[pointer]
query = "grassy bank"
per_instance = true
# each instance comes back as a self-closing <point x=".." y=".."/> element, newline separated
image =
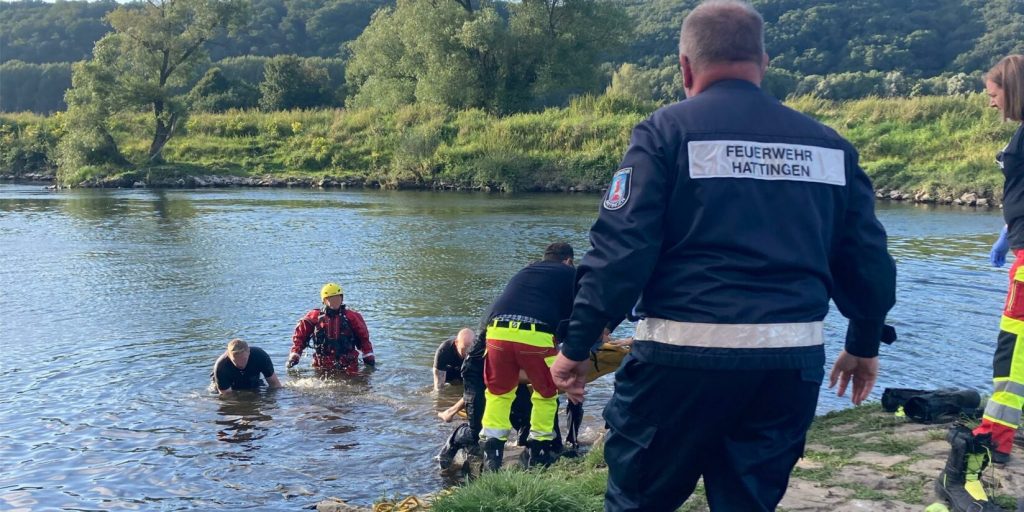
<point x="943" y="145"/>
<point x="856" y="459"/>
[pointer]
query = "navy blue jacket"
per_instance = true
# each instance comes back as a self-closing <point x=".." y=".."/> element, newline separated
<point x="1011" y="161"/>
<point x="542" y="290"/>
<point x="731" y="208"/>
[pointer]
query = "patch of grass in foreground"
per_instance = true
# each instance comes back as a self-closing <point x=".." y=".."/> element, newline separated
<point x="1005" y="501"/>
<point x="527" y="491"/>
<point x="579" y="484"/>
<point x="570" y="485"/>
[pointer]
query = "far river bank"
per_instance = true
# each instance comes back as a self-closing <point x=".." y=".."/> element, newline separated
<point x="922" y="149"/>
<point x="176" y="180"/>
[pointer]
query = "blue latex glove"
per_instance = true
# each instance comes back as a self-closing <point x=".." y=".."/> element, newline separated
<point x="999" y="249"/>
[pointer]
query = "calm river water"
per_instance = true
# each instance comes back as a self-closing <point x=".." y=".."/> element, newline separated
<point x="114" y="305"/>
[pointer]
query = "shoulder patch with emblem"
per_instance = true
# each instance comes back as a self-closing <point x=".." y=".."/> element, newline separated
<point x="618" y="192"/>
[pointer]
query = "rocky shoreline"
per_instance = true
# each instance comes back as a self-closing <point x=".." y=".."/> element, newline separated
<point x="327" y="182"/>
<point x="966" y="199"/>
<point x="129" y="180"/>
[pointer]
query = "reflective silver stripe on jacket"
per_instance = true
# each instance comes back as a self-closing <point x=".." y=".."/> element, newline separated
<point x="693" y="334"/>
<point x="1009" y="386"/>
<point x="1002" y="413"/>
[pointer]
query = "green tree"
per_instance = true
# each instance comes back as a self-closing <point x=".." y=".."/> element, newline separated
<point x="216" y="93"/>
<point x="662" y="84"/>
<point x="1004" y="20"/>
<point x="291" y="82"/>
<point x="418" y="51"/>
<point x="560" y="45"/>
<point x="467" y="55"/>
<point x="149" y="60"/>
<point x="91" y="110"/>
<point x="39" y="32"/>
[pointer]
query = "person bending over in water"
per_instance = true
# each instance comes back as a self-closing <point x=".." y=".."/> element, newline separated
<point x="448" y="366"/>
<point x="449" y="356"/>
<point x="240" y="367"/>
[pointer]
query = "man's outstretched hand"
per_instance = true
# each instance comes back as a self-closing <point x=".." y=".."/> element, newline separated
<point x="570" y="376"/>
<point x="863" y="371"/>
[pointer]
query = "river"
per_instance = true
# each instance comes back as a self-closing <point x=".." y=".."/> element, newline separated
<point x="115" y="303"/>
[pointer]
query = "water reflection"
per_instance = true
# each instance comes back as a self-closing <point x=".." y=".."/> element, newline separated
<point x="151" y="285"/>
<point x="243" y="419"/>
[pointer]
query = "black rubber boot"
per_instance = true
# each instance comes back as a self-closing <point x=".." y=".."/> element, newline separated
<point x="894" y="398"/>
<point x="451" y="447"/>
<point x="942" y="405"/>
<point x="538" y="453"/>
<point x="968" y="457"/>
<point x="494" y="451"/>
<point x="999" y="457"/>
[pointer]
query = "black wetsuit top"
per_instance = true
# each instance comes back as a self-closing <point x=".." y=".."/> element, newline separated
<point x="447" y="360"/>
<point x="226" y="375"/>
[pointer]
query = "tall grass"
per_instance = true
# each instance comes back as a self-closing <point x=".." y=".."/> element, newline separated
<point x="567" y="486"/>
<point x="942" y="145"/>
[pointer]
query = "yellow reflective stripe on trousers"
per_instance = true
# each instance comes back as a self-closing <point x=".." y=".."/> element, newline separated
<point x="1015" y="327"/>
<point x="1008" y="386"/>
<point x="497" y="412"/>
<point x="543" y="413"/>
<point x="532" y="338"/>
<point x="1004" y="414"/>
<point x="1004" y="407"/>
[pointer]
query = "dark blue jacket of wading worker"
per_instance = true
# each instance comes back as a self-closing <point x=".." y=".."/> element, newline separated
<point x="735" y="219"/>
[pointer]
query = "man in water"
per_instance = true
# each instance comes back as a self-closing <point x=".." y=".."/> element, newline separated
<point x="449" y="356"/>
<point x="338" y="335"/>
<point x="240" y="367"/>
<point x="448" y="367"/>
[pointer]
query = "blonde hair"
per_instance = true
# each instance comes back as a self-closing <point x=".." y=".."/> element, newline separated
<point x="236" y="346"/>
<point x="1008" y="74"/>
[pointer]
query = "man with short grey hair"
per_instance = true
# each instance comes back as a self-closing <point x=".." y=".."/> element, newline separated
<point x="735" y="220"/>
<point x="240" y="367"/>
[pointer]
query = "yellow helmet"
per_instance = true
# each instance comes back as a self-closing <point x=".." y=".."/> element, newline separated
<point x="330" y="290"/>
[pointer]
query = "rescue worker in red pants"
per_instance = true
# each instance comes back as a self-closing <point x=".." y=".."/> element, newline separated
<point x="338" y="335"/>
<point x="970" y="452"/>
<point x="1005" y="85"/>
<point x="520" y="336"/>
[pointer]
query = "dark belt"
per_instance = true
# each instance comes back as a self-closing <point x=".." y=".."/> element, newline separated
<point x="522" y="326"/>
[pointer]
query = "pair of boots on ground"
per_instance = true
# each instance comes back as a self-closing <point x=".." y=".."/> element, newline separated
<point x="960" y="482"/>
<point x="537" y="453"/>
<point x="541" y="453"/>
<point x="933" y="406"/>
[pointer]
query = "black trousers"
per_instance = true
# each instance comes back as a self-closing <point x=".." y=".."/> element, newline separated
<point x="742" y="430"/>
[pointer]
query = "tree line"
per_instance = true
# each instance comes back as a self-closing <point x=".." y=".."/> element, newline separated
<point x="836" y="49"/>
<point x="498" y="57"/>
<point x="40" y="32"/>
